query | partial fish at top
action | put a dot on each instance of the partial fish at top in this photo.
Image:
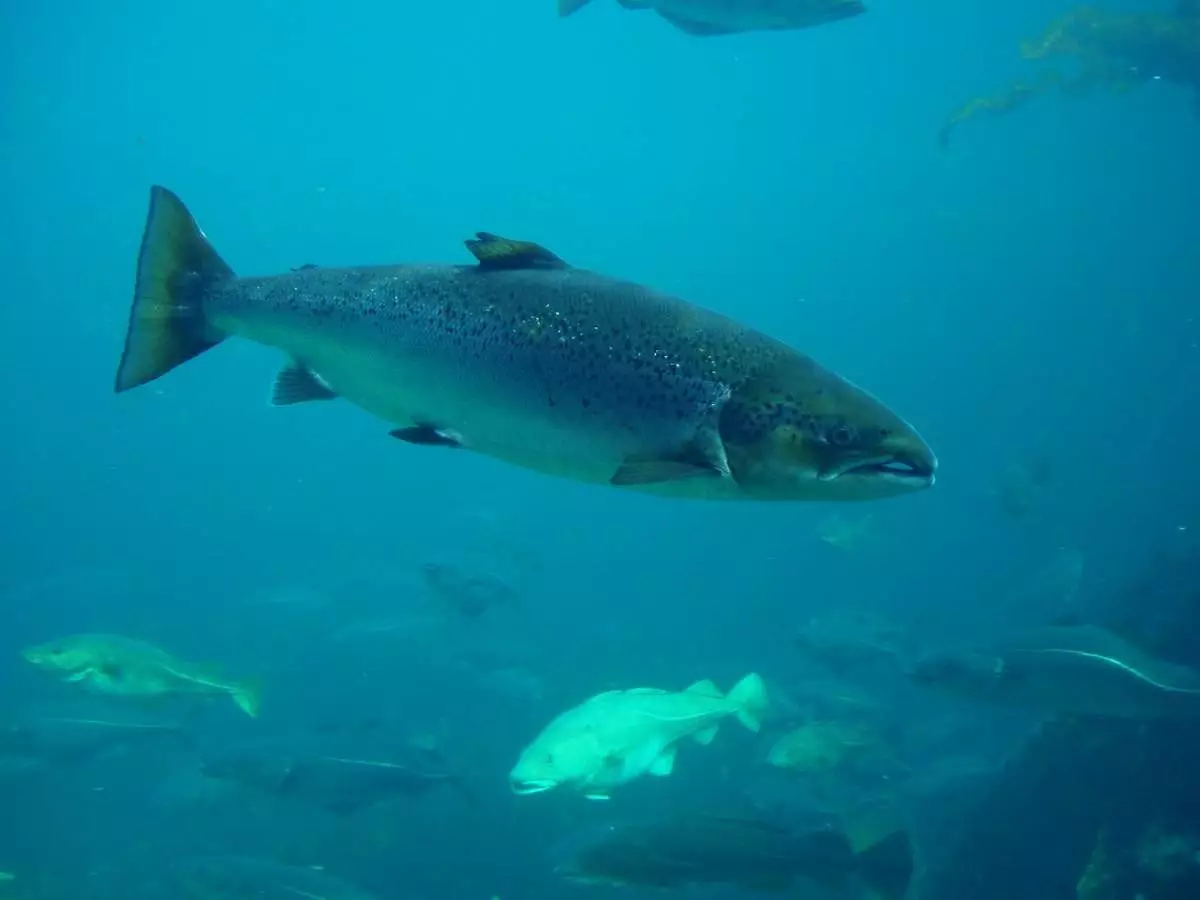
(532, 361)
(707, 18)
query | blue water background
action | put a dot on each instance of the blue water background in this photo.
(1031, 292)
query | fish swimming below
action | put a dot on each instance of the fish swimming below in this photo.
(65, 741)
(529, 360)
(709, 18)
(340, 784)
(248, 878)
(687, 850)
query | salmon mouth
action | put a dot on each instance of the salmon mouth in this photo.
(533, 786)
(905, 470)
(908, 472)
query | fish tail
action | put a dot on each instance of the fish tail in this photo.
(177, 267)
(569, 7)
(749, 696)
(248, 696)
(886, 867)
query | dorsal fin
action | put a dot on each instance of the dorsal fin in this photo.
(495, 252)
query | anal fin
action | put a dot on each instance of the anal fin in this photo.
(428, 436)
(296, 384)
(664, 765)
(705, 735)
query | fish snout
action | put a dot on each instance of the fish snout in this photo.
(47, 661)
(900, 460)
(860, 449)
(901, 463)
(912, 462)
(522, 786)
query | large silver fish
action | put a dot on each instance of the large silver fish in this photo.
(529, 360)
(707, 18)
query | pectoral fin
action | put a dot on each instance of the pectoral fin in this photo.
(641, 470)
(704, 457)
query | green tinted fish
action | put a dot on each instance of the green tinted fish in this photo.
(123, 667)
(617, 736)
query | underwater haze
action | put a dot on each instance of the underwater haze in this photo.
(1025, 297)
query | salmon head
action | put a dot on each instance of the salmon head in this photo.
(805, 433)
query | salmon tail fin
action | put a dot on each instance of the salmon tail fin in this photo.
(176, 267)
(750, 697)
(886, 867)
(248, 697)
(570, 7)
